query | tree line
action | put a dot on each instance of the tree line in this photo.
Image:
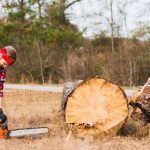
(52, 50)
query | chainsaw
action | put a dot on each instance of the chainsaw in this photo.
(19, 133)
(5, 133)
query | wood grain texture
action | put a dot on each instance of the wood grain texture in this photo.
(96, 103)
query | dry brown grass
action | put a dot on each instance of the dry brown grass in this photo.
(40, 109)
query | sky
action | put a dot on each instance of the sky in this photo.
(93, 15)
(86, 14)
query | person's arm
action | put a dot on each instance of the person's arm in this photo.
(3, 117)
(1, 102)
(2, 80)
(1, 94)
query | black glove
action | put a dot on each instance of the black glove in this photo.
(3, 119)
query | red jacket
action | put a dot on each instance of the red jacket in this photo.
(2, 80)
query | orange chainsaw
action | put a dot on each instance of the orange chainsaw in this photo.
(3, 125)
(5, 133)
(18, 133)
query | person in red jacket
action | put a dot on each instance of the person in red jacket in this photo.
(7, 58)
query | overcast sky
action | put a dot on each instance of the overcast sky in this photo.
(93, 15)
(86, 14)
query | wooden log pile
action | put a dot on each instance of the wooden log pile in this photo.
(94, 107)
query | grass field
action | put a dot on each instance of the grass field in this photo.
(41, 109)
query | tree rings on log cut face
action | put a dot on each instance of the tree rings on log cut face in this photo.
(97, 103)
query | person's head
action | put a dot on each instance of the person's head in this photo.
(8, 56)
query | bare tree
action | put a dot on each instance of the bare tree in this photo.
(41, 60)
(40, 4)
(62, 5)
(112, 26)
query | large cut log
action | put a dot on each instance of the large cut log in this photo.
(141, 99)
(94, 107)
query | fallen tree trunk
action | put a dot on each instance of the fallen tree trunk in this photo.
(141, 99)
(94, 107)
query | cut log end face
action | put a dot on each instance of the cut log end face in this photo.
(97, 102)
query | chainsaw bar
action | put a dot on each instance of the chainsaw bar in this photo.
(28, 132)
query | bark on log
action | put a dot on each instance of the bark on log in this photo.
(67, 90)
(94, 107)
(141, 99)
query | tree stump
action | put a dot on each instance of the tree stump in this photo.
(94, 107)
